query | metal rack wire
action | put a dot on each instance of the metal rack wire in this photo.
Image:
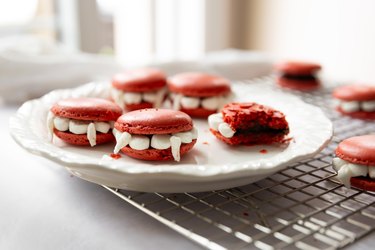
(301, 207)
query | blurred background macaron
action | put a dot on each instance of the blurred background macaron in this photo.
(356, 100)
(139, 88)
(298, 75)
(199, 94)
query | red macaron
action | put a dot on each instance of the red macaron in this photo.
(155, 134)
(198, 94)
(298, 75)
(356, 100)
(249, 124)
(139, 88)
(356, 162)
(83, 121)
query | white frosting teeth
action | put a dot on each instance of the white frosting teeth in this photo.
(165, 141)
(102, 127)
(338, 163)
(215, 120)
(78, 127)
(211, 103)
(139, 142)
(155, 97)
(161, 141)
(368, 106)
(91, 134)
(371, 172)
(122, 140)
(132, 98)
(344, 176)
(186, 137)
(350, 107)
(190, 102)
(353, 106)
(175, 147)
(61, 123)
(149, 97)
(346, 170)
(194, 133)
(226, 130)
(176, 101)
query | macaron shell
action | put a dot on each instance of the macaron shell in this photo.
(298, 68)
(249, 115)
(81, 140)
(140, 80)
(355, 92)
(358, 114)
(363, 183)
(358, 150)
(255, 138)
(154, 121)
(301, 85)
(142, 105)
(157, 154)
(199, 84)
(92, 109)
(198, 112)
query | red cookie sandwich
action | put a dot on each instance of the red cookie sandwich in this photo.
(155, 134)
(298, 75)
(357, 101)
(139, 89)
(355, 162)
(83, 121)
(198, 94)
(249, 124)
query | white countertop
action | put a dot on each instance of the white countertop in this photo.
(44, 207)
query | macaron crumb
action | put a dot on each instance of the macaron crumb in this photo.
(115, 156)
(205, 143)
(263, 151)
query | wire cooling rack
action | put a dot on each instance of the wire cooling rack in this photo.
(301, 207)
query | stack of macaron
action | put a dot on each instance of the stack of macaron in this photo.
(356, 100)
(298, 75)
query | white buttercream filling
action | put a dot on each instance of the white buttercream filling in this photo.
(346, 170)
(122, 98)
(77, 127)
(190, 102)
(215, 121)
(142, 142)
(354, 106)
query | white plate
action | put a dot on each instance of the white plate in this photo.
(211, 165)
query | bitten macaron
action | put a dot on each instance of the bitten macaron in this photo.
(355, 162)
(139, 88)
(83, 121)
(298, 75)
(155, 134)
(356, 100)
(198, 94)
(249, 124)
